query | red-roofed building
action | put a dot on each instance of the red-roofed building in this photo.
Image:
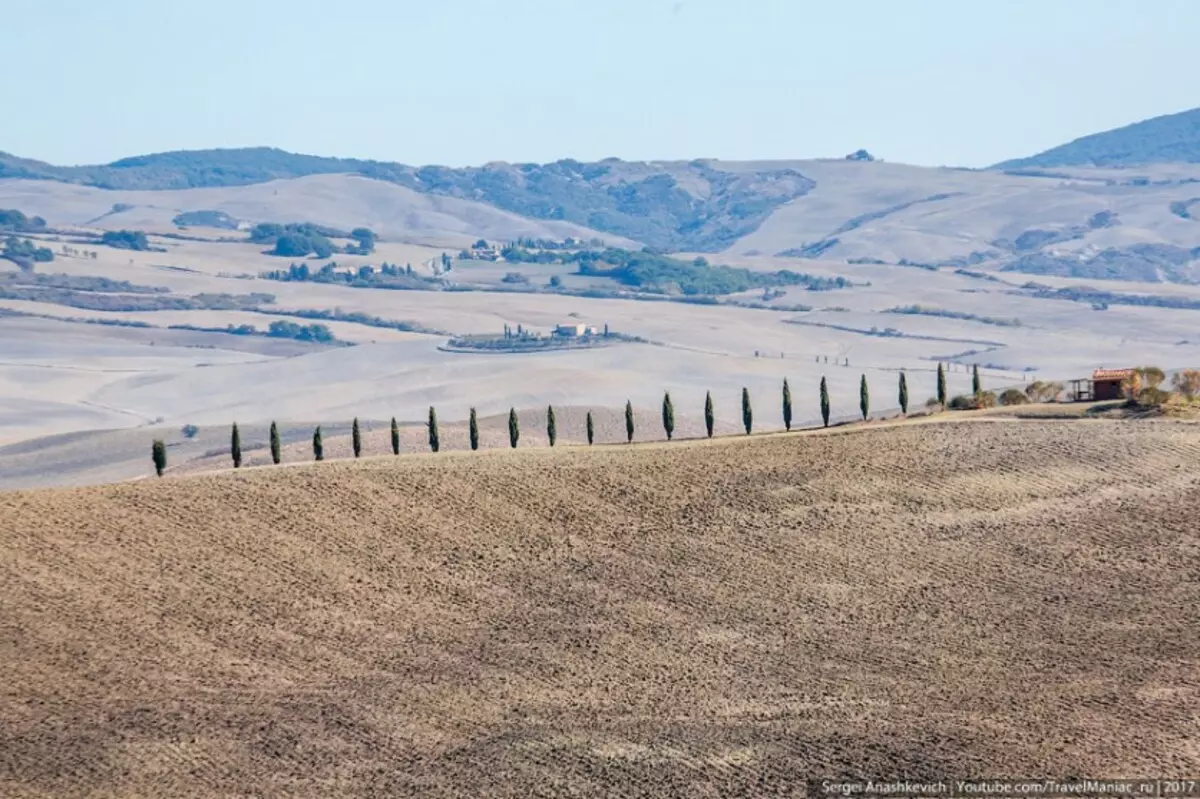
(1104, 384)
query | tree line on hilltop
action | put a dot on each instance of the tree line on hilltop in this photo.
(1141, 388)
(159, 454)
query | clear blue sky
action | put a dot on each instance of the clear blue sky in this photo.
(961, 82)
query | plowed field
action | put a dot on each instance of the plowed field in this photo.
(699, 619)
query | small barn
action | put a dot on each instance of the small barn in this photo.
(1107, 383)
(1104, 384)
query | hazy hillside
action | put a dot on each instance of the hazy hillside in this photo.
(339, 201)
(680, 205)
(1168, 138)
(1045, 216)
(723, 618)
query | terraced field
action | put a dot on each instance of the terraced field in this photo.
(719, 618)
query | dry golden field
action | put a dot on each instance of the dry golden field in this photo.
(699, 619)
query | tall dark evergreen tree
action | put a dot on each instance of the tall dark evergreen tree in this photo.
(903, 393)
(824, 402)
(976, 385)
(551, 427)
(275, 449)
(395, 437)
(235, 447)
(864, 398)
(941, 385)
(708, 413)
(433, 430)
(514, 428)
(318, 445)
(356, 438)
(473, 430)
(787, 405)
(747, 413)
(668, 415)
(628, 422)
(591, 429)
(158, 454)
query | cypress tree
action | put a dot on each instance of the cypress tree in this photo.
(864, 398)
(275, 458)
(551, 428)
(473, 430)
(318, 446)
(628, 422)
(356, 438)
(158, 454)
(591, 428)
(514, 429)
(824, 402)
(787, 405)
(747, 414)
(941, 385)
(903, 394)
(668, 415)
(235, 447)
(708, 413)
(433, 430)
(395, 437)
(976, 385)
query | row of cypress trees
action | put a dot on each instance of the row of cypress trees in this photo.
(159, 452)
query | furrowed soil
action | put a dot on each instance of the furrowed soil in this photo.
(699, 619)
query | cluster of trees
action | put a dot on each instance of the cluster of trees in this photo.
(13, 221)
(651, 271)
(158, 450)
(25, 253)
(68, 250)
(126, 240)
(386, 276)
(298, 239)
(213, 219)
(292, 330)
(1144, 386)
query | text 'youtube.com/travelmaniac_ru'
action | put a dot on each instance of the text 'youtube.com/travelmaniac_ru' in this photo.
(953, 788)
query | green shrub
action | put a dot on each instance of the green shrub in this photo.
(158, 454)
(434, 442)
(824, 403)
(235, 447)
(787, 405)
(126, 240)
(1013, 396)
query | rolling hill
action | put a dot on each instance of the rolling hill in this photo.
(1114, 205)
(1163, 139)
(724, 618)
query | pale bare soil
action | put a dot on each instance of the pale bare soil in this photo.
(721, 618)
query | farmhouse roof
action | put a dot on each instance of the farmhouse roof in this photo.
(1112, 374)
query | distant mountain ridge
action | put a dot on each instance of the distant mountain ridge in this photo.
(669, 205)
(1168, 138)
